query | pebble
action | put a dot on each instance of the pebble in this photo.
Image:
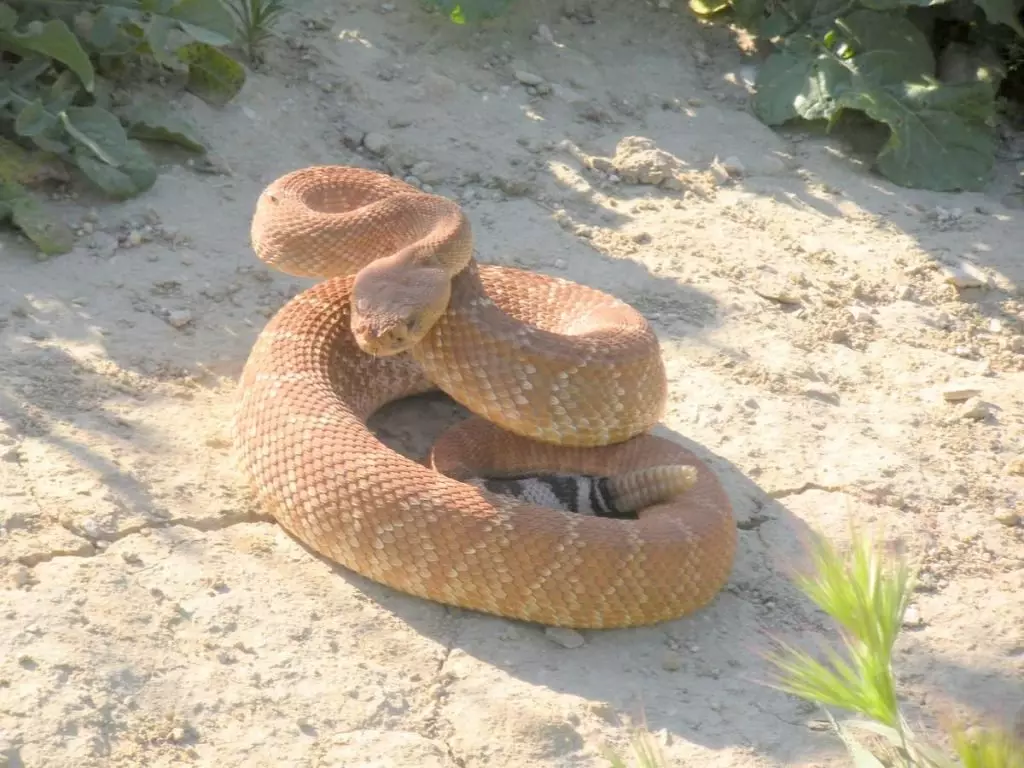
(1016, 466)
(560, 264)
(733, 166)
(528, 78)
(975, 408)
(565, 637)
(861, 314)
(671, 661)
(964, 275)
(1007, 517)
(377, 143)
(179, 318)
(957, 393)
(912, 617)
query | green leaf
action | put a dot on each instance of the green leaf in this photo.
(708, 7)
(55, 40)
(886, 47)
(939, 137)
(158, 35)
(212, 75)
(1002, 12)
(896, 5)
(49, 234)
(791, 85)
(157, 123)
(8, 17)
(862, 758)
(33, 119)
(98, 130)
(206, 21)
(136, 174)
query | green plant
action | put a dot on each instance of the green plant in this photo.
(60, 63)
(867, 596)
(256, 19)
(874, 57)
(646, 750)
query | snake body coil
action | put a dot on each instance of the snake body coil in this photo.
(561, 377)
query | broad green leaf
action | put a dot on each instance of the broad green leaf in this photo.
(812, 17)
(136, 174)
(749, 13)
(1002, 12)
(206, 21)
(157, 123)
(708, 7)
(895, 5)
(55, 40)
(212, 75)
(158, 35)
(49, 234)
(886, 47)
(939, 136)
(8, 17)
(33, 119)
(28, 70)
(792, 85)
(98, 130)
(104, 28)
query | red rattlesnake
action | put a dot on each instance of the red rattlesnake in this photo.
(561, 377)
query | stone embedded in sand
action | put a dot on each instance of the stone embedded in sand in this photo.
(975, 408)
(958, 393)
(528, 78)
(963, 274)
(565, 637)
(377, 143)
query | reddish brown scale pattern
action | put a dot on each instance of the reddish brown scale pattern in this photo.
(302, 440)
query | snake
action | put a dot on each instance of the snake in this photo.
(561, 380)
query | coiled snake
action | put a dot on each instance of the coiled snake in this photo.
(560, 377)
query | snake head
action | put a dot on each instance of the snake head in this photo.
(394, 307)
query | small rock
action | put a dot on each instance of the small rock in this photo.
(671, 661)
(733, 166)
(1016, 466)
(957, 393)
(377, 143)
(975, 408)
(565, 637)
(912, 617)
(1007, 517)
(352, 138)
(860, 314)
(964, 275)
(544, 34)
(179, 318)
(560, 264)
(20, 576)
(528, 78)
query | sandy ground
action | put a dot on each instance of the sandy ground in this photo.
(819, 356)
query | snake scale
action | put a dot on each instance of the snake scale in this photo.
(560, 378)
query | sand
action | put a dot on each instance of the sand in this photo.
(839, 349)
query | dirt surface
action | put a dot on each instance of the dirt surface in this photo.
(822, 356)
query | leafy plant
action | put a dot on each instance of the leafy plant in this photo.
(461, 11)
(59, 62)
(872, 56)
(867, 596)
(256, 19)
